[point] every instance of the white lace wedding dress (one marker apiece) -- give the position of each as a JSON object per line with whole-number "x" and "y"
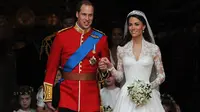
{"x": 139, "y": 69}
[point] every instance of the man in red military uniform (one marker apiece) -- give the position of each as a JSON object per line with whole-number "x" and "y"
{"x": 78, "y": 50}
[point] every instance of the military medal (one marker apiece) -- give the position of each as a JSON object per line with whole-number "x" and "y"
{"x": 93, "y": 60}
{"x": 94, "y": 49}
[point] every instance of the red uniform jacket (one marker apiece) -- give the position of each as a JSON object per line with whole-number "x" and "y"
{"x": 80, "y": 96}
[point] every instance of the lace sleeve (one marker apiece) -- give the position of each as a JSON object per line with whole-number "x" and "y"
{"x": 118, "y": 74}
{"x": 159, "y": 69}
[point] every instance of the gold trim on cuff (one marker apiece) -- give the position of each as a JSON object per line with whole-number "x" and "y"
{"x": 48, "y": 91}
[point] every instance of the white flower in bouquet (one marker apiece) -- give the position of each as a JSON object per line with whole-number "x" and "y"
{"x": 139, "y": 92}
{"x": 107, "y": 108}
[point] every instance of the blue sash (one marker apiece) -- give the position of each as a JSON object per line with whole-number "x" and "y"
{"x": 82, "y": 51}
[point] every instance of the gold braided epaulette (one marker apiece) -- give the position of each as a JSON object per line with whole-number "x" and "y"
{"x": 48, "y": 92}
{"x": 64, "y": 29}
{"x": 46, "y": 44}
{"x": 47, "y": 38}
{"x": 99, "y": 31}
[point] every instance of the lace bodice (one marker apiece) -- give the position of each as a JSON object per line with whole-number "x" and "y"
{"x": 139, "y": 69}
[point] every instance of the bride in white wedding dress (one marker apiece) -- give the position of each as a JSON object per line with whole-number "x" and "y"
{"x": 137, "y": 55}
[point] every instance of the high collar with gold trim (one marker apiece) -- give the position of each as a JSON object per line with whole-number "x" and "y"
{"x": 80, "y": 30}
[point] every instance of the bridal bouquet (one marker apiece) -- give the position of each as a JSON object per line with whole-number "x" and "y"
{"x": 139, "y": 92}
{"x": 107, "y": 109}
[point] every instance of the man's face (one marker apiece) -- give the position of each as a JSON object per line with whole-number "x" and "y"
{"x": 85, "y": 16}
{"x": 25, "y": 101}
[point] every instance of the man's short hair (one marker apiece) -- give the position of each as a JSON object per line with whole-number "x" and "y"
{"x": 83, "y": 2}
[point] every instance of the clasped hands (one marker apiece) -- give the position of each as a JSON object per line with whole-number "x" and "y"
{"x": 104, "y": 64}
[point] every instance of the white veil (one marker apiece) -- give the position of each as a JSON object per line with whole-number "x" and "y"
{"x": 150, "y": 33}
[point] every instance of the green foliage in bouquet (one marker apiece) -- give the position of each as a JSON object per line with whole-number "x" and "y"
{"x": 107, "y": 109}
{"x": 139, "y": 92}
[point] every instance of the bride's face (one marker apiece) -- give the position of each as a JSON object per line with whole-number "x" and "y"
{"x": 135, "y": 27}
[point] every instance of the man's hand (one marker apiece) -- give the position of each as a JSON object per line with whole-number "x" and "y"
{"x": 50, "y": 107}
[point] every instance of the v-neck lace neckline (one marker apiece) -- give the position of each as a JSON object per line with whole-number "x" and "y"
{"x": 140, "y": 54}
